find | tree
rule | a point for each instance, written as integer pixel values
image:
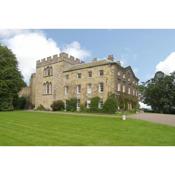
(94, 106)
(159, 93)
(57, 105)
(110, 105)
(71, 104)
(11, 80)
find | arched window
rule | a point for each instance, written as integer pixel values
(51, 71)
(50, 88)
(47, 88)
(44, 88)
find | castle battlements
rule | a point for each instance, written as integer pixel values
(57, 58)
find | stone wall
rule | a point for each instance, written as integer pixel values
(63, 65)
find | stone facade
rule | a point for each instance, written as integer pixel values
(63, 77)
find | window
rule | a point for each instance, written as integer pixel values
(65, 90)
(79, 75)
(129, 90)
(101, 87)
(78, 104)
(67, 77)
(136, 93)
(133, 92)
(100, 104)
(47, 88)
(128, 79)
(88, 104)
(124, 76)
(123, 88)
(48, 71)
(119, 87)
(90, 74)
(50, 88)
(101, 72)
(118, 73)
(78, 89)
(44, 88)
(89, 88)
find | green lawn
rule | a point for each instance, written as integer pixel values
(42, 128)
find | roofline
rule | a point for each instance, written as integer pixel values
(129, 67)
(90, 66)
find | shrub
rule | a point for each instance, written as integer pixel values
(110, 105)
(94, 104)
(41, 108)
(71, 104)
(57, 105)
(6, 104)
(20, 103)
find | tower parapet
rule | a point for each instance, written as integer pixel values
(57, 58)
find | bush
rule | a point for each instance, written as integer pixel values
(71, 104)
(41, 108)
(94, 104)
(110, 105)
(6, 104)
(57, 105)
(20, 103)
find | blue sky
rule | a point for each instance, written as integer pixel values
(146, 51)
(142, 49)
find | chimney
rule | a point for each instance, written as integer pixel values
(110, 57)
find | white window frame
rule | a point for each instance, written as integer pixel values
(78, 89)
(129, 90)
(100, 104)
(124, 88)
(101, 87)
(66, 90)
(119, 87)
(88, 103)
(78, 104)
(89, 88)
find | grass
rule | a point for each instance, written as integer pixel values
(44, 128)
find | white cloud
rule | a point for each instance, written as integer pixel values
(167, 65)
(75, 49)
(32, 45)
(144, 106)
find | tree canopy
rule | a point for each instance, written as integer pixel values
(11, 80)
(159, 93)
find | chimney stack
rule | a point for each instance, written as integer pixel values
(110, 57)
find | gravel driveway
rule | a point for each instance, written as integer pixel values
(157, 118)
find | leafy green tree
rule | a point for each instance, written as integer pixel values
(71, 104)
(110, 105)
(11, 80)
(94, 106)
(57, 105)
(159, 93)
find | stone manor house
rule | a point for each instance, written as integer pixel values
(62, 77)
